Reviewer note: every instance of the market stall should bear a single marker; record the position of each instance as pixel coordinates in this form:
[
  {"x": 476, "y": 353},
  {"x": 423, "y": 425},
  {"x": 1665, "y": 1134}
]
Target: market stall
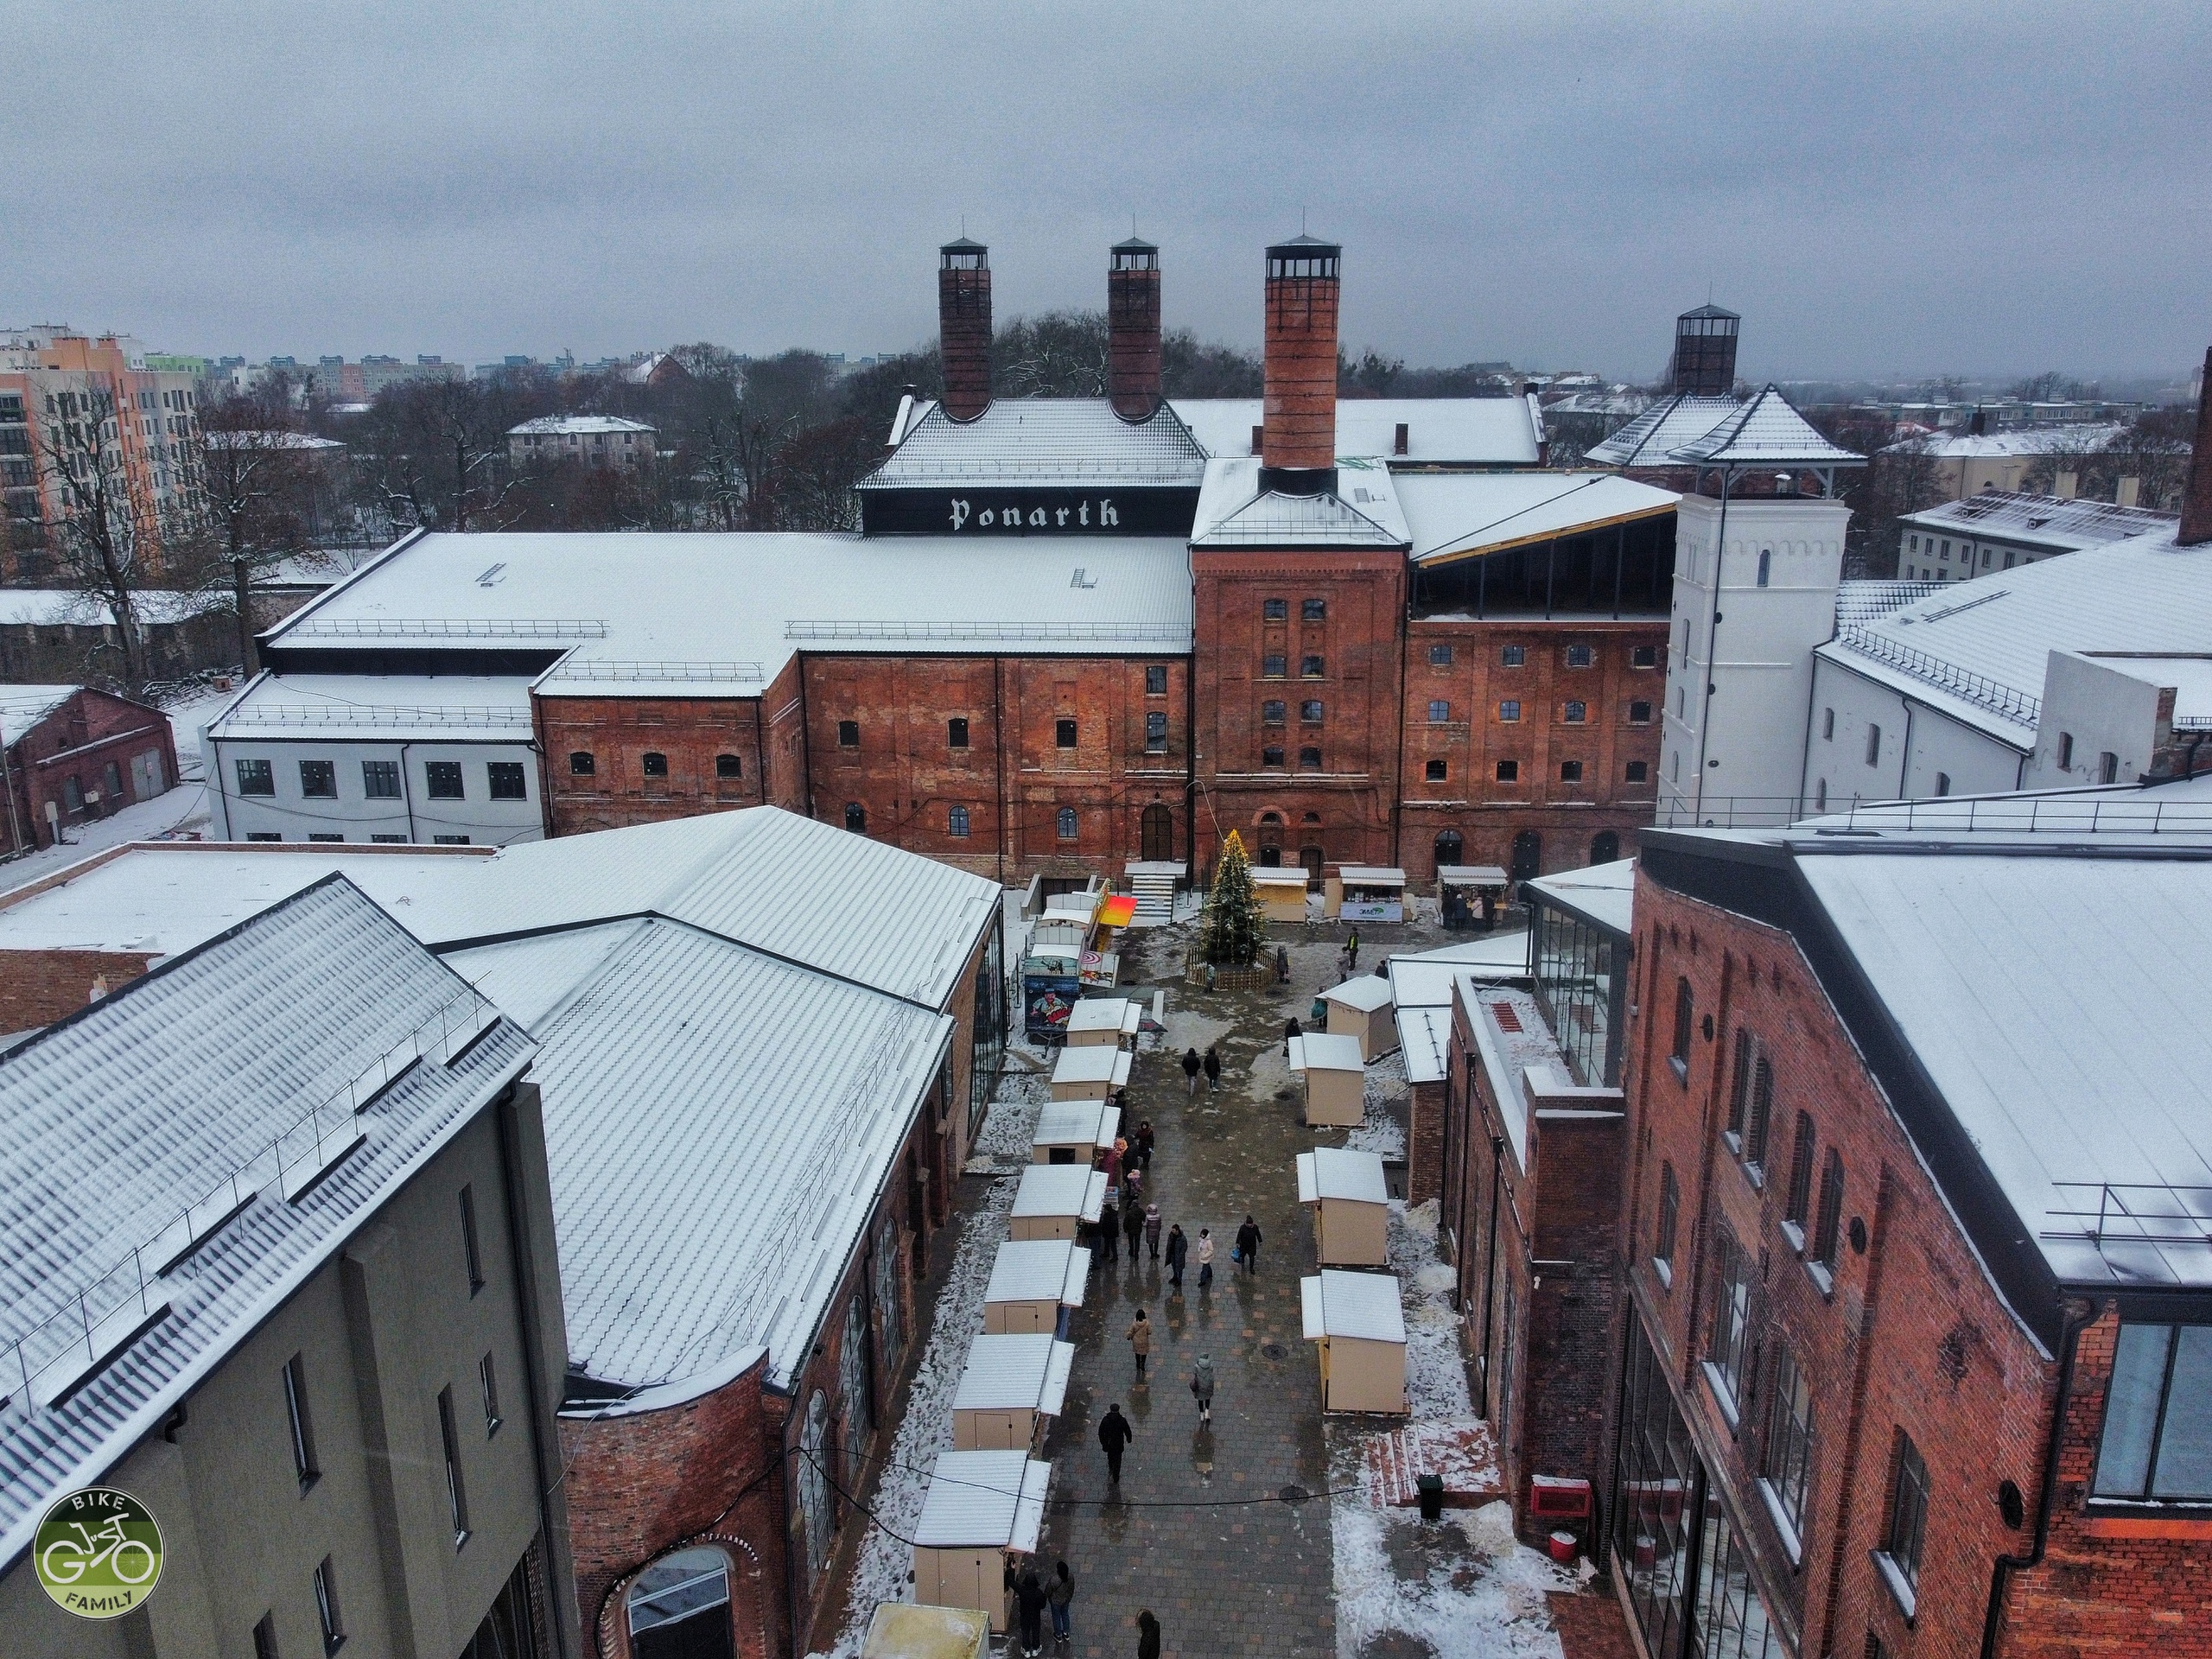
[
  {"x": 1350, "y": 1202},
  {"x": 1074, "y": 1132},
  {"x": 1052, "y": 986},
  {"x": 983, "y": 1510},
  {"x": 1054, "y": 1200},
  {"x": 1470, "y": 895},
  {"x": 1036, "y": 1285},
  {"x": 1282, "y": 892},
  {"x": 1013, "y": 1387},
  {"x": 904, "y": 1630},
  {"x": 1361, "y": 1330},
  {"x": 1334, "y": 1074},
  {"x": 1089, "y": 1072},
  {"x": 1365, "y": 893},
  {"x": 1104, "y": 1021},
  {"x": 1361, "y": 1009}
]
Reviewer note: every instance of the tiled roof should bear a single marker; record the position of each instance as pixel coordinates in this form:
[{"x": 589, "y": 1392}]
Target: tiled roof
[{"x": 1044, "y": 441}]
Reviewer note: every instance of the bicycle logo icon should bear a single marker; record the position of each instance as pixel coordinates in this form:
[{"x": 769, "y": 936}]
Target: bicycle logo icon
[{"x": 98, "y": 1552}]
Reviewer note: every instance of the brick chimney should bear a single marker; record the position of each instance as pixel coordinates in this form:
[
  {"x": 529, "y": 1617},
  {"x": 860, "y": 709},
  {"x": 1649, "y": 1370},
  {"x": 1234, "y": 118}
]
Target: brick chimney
[
  {"x": 1298, "y": 453},
  {"x": 2196, "y": 494},
  {"x": 964, "y": 327},
  {"x": 1704, "y": 364},
  {"x": 1132, "y": 329}
]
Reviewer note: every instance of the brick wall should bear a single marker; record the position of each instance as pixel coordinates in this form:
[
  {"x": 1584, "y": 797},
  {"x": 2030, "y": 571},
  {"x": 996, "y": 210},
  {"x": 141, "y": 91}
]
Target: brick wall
[
  {"x": 691, "y": 734},
  {"x": 39, "y": 987},
  {"x": 1425, "y": 1144},
  {"x": 91, "y": 741}
]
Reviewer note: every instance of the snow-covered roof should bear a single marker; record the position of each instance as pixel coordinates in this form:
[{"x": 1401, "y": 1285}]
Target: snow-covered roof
[
  {"x": 1454, "y": 516},
  {"x": 23, "y": 707},
  {"x": 1077, "y": 1123},
  {"x": 1425, "y": 1040},
  {"x": 1107, "y": 1062},
  {"x": 251, "y": 440},
  {"x": 1762, "y": 430},
  {"x": 389, "y": 708},
  {"x": 123, "y": 1129},
  {"x": 1978, "y": 648},
  {"x": 577, "y": 425},
  {"x": 1061, "y": 1190},
  {"x": 1423, "y": 978},
  {"x": 984, "y": 1500},
  {"x": 1115, "y": 1013},
  {"x": 1334, "y": 1173},
  {"x": 1039, "y": 1270},
  {"x": 1651, "y": 437},
  {"x": 1043, "y": 441},
  {"x": 2030, "y": 440},
  {"x": 1475, "y": 875},
  {"x": 647, "y": 614},
  {"x": 1510, "y": 1036},
  {"x": 1234, "y": 512},
  {"x": 1282, "y": 875},
  {"x": 1863, "y": 597},
  {"x": 1359, "y": 1307},
  {"x": 2063, "y": 523},
  {"x": 1372, "y": 875},
  {"x": 1440, "y": 431},
  {"x": 1598, "y": 892},
  {"x": 1316, "y": 1051},
  {"x": 1367, "y": 993},
  {"x": 1027, "y": 1371}
]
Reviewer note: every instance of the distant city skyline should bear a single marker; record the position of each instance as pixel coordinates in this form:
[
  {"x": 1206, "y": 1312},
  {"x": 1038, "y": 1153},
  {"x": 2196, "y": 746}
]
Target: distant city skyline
[{"x": 1890, "y": 193}]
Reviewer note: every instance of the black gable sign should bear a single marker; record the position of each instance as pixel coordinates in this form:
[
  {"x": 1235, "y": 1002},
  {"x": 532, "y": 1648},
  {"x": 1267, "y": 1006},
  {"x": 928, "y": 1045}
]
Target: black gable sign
[{"x": 1029, "y": 512}]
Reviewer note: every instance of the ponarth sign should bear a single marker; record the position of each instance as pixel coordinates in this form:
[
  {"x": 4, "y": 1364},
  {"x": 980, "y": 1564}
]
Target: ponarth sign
[{"x": 1029, "y": 512}]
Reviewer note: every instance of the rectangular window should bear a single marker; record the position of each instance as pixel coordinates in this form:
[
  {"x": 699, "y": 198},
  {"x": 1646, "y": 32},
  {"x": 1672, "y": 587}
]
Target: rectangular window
[
  {"x": 1155, "y": 680},
  {"x": 1274, "y": 610},
  {"x": 1271, "y": 757},
  {"x": 298, "y": 1422},
  {"x": 506, "y": 780},
  {"x": 1643, "y": 657},
  {"x": 1310, "y": 668},
  {"x": 1907, "y": 1533},
  {"x": 1827, "y": 1219},
  {"x": 1067, "y": 824},
  {"x": 1740, "y": 1087},
  {"x": 449, "y": 841},
  {"x": 1514, "y": 656},
  {"x": 1728, "y": 1344},
  {"x": 956, "y": 822},
  {"x": 1638, "y": 771},
  {"x": 1578, "y": 657},
  {"x": 263, "y": 834},
  {"x": 1873, "y": 745},
  {"x": 472, "y": 1252},
  {"x": 326, "y": 1607},
  {"x": 1827, "y": 725},
  {"x": 442, "y": 779},
  {"x": 1274, "y": 666},
  {"x": 380, "y": 779},
  {"x": 487, "y": 1382},
  {"x": 2156, "y": 1445},
  {"x": 389, "y": 841},
  {"x": 1310, "y": 711},
  {"x": 1639, "y": 713},
  {"x": 2065, "y": 750},
  {"x": 1313, "y": 610},
  {"x": 1309, "y": 758},
  {"x": 257, "y": 778},
  {"x": 1570, "y": 771},
  {"x": 1577, "y": 713},
  {"x": 1509, "y": 772},
  {"x": 849, "y": 734},
  {"x": 1439, "y": 712},
  {"x": 1685, "y": 1020},
  {"x": 1762, "y": 1113},
  {"x": 1440, "y": 656},
  {"x": 1155, "y": 733},
  {"x": 1272, "y": 712},
  {"x": 1063, "y": 733},
  {"x": 1670, "y": 1211},
  {"x": 2107, "y": 769},
  {"x": 1798, "y": 1198},
  {"x": 1508, "y": 710},
  {"x": 456, "y": 1488},
  {"x": 1434, "y": 771},
  {"x": 318, "y": 779},
  {"x": 955, "y": 732},
  {"x": 1785, "y": 1469},
  {"x": 324, "y": 835}
]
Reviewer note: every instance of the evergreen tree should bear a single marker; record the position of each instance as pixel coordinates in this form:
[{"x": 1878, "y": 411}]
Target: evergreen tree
[{"x": 1233, "y": 923}]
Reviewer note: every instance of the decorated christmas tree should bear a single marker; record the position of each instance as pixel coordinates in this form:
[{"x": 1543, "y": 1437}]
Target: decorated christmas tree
[{"x": 1233, "y": 921}]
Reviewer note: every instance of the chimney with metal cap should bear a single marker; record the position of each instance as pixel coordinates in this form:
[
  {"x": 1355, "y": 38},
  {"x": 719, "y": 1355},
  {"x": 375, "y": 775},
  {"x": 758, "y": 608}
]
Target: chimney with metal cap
[
  {"x": 1705, "y": 352},
  {"x": 2196, "y": 492},
  {"x": 1298, "y": 453},
  {"x": 1132, "y": 329},
  {"x": 964, "y": 327}
]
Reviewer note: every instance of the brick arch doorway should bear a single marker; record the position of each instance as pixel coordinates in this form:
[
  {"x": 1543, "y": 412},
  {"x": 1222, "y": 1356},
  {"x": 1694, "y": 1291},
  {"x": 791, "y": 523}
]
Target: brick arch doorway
[
  {"x": 1266, "y": 833},
  {"x": 1156, "y": 835},
  {"x": 681, "y": 1607},
  {"x": 1311, "y": 858}
]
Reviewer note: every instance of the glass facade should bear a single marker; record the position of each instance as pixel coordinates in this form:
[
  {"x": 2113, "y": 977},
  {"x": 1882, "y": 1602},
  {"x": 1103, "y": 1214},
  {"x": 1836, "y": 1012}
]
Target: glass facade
[
  {"x": 1581, "y": 976},
  {"x": 989, "y": 1051}
]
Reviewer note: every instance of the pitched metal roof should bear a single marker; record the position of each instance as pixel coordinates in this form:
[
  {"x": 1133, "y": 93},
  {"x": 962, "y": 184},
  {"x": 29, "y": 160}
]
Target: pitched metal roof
[
  {"x": 1338, "y": 1173},
  {"x": 1362, "y": 1306},
  {"x": 1044, "y": 441},
  {"x": 1234, "y": 510},
  {"x": 2067, "y": 523},
  {"x": 1016, "y": 1372},
  {"x": 1767, "y": 430},
  {"x": 1651, "y": 438},
  {"x": 1455, "y": 516},
  {"x": 316, "y": 1043},
  {"x": 984, "y": 1500}
]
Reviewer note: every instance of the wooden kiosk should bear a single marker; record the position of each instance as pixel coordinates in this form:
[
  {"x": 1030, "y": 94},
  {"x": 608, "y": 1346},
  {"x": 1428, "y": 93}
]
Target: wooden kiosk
[
  {"x": 981, "y": 1507},
  {"x": 1367, "y": 892},
  {"x": 1012, "y": 1386},
  {"x": 1334, "y": 1072},
  {"x": 1280, "y": 891},
  {"x": 1036, "y": 1284},
  {"x": 1074, "y": 1131},
  {"x": 1089, "y": 1072},
  {"x": 1103, "y": 1022},
  {"x": 1356, "y": 1318},
  {"x": 1470, "y": 895},
  {"x": 1361, "y": 1007},
  {"x": 903, "y": 1629},
  {"x": 1055, "y": 1199},
  {"x": 1351, "y": 1204}
]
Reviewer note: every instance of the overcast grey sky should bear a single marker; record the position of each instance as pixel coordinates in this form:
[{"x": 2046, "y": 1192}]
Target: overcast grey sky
[{"x": 1879, "y": 188}]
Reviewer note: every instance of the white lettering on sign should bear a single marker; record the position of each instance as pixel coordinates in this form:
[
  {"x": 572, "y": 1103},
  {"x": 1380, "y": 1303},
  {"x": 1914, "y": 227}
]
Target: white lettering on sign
[
  {"x": 1106, "y": 514},
  {"x": 962, "y": 512},
  {"x": 959, "y": 513}
]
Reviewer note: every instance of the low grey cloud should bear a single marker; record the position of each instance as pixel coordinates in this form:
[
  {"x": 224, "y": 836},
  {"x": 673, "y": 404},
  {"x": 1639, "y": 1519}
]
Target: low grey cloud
[{"x": 1880, "y": 188}]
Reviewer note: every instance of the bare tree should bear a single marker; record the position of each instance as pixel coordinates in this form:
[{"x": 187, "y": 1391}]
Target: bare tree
[
  {"x": 103, "y": 533},
  {"x": 257, "y": 473},
  {"x": 1058, "y": 354}
]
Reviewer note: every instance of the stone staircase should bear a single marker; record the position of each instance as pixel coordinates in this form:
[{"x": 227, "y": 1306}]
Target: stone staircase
[
  {"x": 1465, "y": 1455},
  {"x": 1154, "y": 888}
]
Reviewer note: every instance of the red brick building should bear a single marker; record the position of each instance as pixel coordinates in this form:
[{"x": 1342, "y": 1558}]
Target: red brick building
[
  {"x": 74, "y": 753},
  {"x": 1919, "y": 1347}
]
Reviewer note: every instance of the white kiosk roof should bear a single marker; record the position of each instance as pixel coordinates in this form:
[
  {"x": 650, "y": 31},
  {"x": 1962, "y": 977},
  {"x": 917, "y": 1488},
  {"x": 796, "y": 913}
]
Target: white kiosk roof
[
  {"x": 1077, "y": 1122},
  {"x": 1368, "y": 875},
  {"x": 983, "y": 1500},
  {"x": 1019, "y": 1373},
  {"x": 1368, "y": 993},
  {"x": 1038, "y": 1269},
  {"x": 1104, "y": 1014},
  {"x": 1061, "y": 1190},
  {"x": 1360, "y": 1306},
  {"x": 1280, "y": 875},
  {"x": 1097, "y": 1063},
  {"x": 1318, "y": 1051},
  {"x": 1334, "y": 1173},
  {"x": 1472, "y": 876}
]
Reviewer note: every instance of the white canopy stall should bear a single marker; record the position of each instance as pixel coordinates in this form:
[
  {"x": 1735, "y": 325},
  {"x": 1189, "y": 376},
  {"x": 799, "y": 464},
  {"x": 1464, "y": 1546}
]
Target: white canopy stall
[
  {"x": 1334, "y": 1073},
  {"x": 1357, "y": 1320},
  {"x": 981, "y": 1507},
  {"x": 1361, "y": 1007},
  {"x": 1350, "y": 1202},
  {"x": 1089, "y": 1072},
  {"x": 1012, "y": 1385},
  {"x": 1074, "y": 1131},
  {"x": 1103, "y": 1022},
  {"x": 1036, "y": 1284},
  {"x": 1054, "y": 1200}
]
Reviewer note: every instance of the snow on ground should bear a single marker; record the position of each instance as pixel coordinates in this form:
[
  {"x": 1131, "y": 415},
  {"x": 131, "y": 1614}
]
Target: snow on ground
[
  {"x": 926, "y": 1429},
  {"x": 1386, "y": 1098},
  {"x": 1010, "y": 1127},
  {"x": 1465, "y": 1587},
  {"x": 186, "y": 717},
  {"x": 182, "y": 811}
]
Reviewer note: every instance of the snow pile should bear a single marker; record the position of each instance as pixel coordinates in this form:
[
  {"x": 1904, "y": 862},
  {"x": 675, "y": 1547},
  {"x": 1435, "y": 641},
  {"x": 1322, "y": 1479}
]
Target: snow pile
[
  {"x": 1436, "y": 1375},
  {"x": 879, "y": 1570},
  {"x": 1010, "y": 1126}
]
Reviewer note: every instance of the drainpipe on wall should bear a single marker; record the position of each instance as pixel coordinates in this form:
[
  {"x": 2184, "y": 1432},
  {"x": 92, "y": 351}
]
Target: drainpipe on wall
[
  {"x": 1712, "y": 649},
  {"x": 2078, "y": 1317}
]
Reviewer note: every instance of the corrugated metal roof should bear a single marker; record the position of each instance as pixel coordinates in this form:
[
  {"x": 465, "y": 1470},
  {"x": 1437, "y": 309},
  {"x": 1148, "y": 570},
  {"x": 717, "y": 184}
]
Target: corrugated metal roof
[
  {"x": 1016, "y": 1373},
  {"x": 983, "y": 1500},
  {"x": 141, "y": 1122},
  {"x": 2067, "y": 522},
  {"x": 1361, "y": 1305},
  {"x": 1044, "y": 441},
  {"x": 1038, "y": 1269},
  {"x": 1468, "y": 431},
  {"x": 1061, "y": 1190},
  {"x": 1766, "y": 431},
  {"x": 1651, "y": 437},
  {"x": 1334, "y": 1173}
]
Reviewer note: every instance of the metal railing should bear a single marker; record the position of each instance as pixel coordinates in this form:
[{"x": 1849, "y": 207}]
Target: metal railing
[
  {"x": 2127, "y": 1218},
  {"x": 64, "y": 1346},
  {"x": 1150, "y": 633},
  {"x": 353, "y": 715},
  {"x": 2013, "y": 705},
  {"x": 2139, "y": 812},
  {"x": 608, "y": 669},
  {"x": 400, "y": 627}
]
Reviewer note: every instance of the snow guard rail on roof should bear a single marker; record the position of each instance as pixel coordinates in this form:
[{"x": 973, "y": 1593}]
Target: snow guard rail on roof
[{"x": 1974, "y": 688}]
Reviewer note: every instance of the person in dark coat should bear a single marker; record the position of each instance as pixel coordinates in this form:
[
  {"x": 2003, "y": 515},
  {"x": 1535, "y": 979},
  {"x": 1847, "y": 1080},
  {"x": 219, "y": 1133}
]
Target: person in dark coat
[
  {"x": 1247, "y": 1245},
  {"x": 1179, "y": 1251},
  {"x": 1060, "y": 1592},
  {"x": 1190, "y": 1070},
  {"x": 1151, "y": 1232},
  {"x": 1213, "y": 1070},
  {"x": 1132, "y": 1226},
  {"x": 1030, "y": 1600},
  {"x": 1132, "y": 1190},
  {"x": 1109, "y": 1234},
  {"x": 1147, "y": 1635},
  {"x": 1289, "y": 1030},
  {"x": 1145, "y": 1138},
  {"x": 1283, "y": 964},
  {"x": 1114, "y": 1435}
]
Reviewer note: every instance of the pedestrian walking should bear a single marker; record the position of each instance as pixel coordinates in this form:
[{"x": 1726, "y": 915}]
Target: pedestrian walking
[
  {"x": 1208, "y": 976},
  {"x": 1202, "y": 1387},
  {"x": 1114, "y": 1435},
  {"x": 1059, "y": 1593},
  {"x": 1190, "y": 1070},
  {"x": 1289, "y": 1030},
  {"x": 1213, "y": 1070},
  {"x": 1152, "y": 1231},
  {"x": 1179, "y": 1251},
  {"x": 1140, "y": 1339},
  {"x": 1029, "y": 1599},
  {"x": 1352, "y": 947},
  {"x": 1147, "y": 1635},
  {"x": 1205, "y": 1257},
  {"x": 1109, "y": 1233},
  {"x": 1247, "y": 1245},
  {"x": 1283, "y": 964},
  {"x": 1132, "y": 1187},
  {"x": 1132, "y": 1224},
  {"x": 1145, "y": 1140}
]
